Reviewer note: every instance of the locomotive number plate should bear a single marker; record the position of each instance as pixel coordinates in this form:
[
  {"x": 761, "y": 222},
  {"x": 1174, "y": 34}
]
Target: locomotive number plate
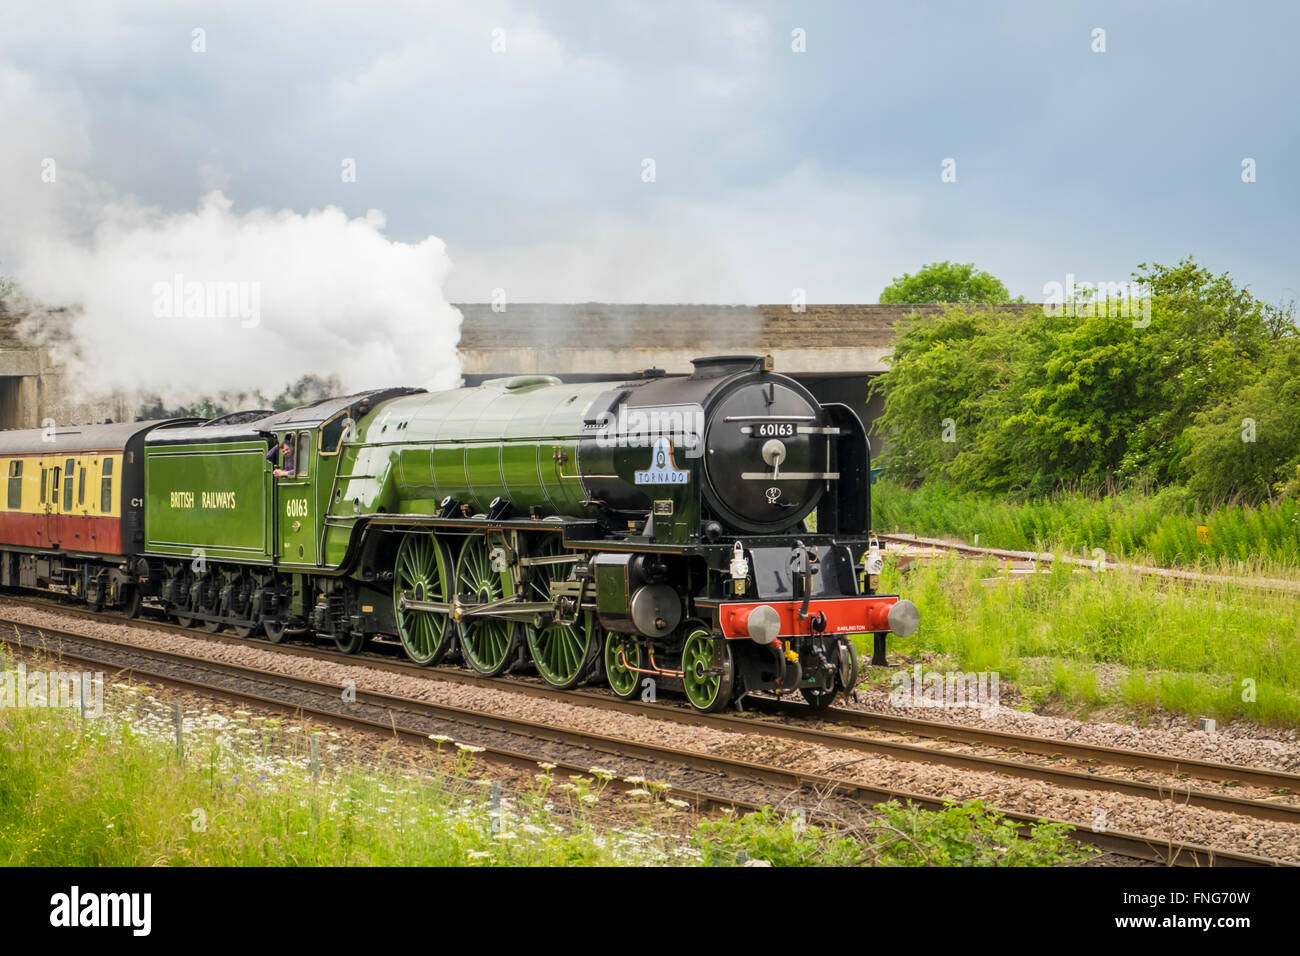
[{"x": 771, "y": 429}]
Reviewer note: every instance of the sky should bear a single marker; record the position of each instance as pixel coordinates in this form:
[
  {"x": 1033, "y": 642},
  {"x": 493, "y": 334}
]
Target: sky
[{"x": 795, "y": 146}]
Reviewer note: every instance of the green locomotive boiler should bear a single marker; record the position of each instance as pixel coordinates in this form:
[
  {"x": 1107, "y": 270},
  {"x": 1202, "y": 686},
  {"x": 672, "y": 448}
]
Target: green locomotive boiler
[{"x": 707, "y": 533}]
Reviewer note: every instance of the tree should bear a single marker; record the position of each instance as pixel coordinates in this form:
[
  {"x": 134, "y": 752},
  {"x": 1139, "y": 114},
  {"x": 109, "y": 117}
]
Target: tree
[
  {"x": 946, "y": 282},
  {"x": 954, "y": 384},
  {"x": 310, "y": 388},
  {"x": 1249, "y": 445},
  {"x": 1026, "y": 401}
]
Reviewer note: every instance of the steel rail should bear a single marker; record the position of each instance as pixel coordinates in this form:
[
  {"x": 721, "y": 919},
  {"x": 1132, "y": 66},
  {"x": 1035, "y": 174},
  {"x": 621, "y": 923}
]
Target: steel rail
[
  {"x": 1279, "y": 782},
  {"x": 1047, "y": 557},
  {"x": 1128, "y": 844}
]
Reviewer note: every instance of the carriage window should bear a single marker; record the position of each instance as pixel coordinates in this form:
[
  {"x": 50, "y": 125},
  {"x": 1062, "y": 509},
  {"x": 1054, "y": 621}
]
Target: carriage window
[
  {"x": 54, "y": 486},
  {"x": 45, "y": 479},
  {"x": 15, "y": 484},
  {"x": 69, "y": 469},
  {"x": 106, "y": 487},
  {"x": 81, "y": 488}
]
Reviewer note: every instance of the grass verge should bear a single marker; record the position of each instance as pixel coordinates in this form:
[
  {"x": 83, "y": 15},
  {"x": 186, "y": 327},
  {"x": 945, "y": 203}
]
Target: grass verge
[
  {"x": 1088, "y": 640},
  {"x": 113, "y": 791},
  {"x": 1160, "y": 528}
]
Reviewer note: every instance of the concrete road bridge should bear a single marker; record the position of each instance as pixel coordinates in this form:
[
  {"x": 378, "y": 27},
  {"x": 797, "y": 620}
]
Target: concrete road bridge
[{"x": 833, "y": 349}]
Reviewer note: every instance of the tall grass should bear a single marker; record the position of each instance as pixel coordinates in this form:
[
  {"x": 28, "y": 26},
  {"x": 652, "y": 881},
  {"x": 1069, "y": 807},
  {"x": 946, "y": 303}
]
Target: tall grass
[
  {"x": 113, "y": 791},
  {"x": 1159, "y": 528},
  {"x": 110, "y": 792},
  {"x": 1214, "y": 650}
]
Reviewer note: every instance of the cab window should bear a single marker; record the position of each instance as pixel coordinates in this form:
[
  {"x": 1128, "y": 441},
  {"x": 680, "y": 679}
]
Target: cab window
[
  {"x": 334, "y": 432},
  {"x": 281, "y": 461},
  {"x": 15, "y": 484},
  {"x": 106, "y": 487},
  {"x": 304, "y": 454}
]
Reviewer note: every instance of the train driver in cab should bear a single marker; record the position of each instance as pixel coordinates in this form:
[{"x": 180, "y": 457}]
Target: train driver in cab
[{"x": 288, "y": 463}]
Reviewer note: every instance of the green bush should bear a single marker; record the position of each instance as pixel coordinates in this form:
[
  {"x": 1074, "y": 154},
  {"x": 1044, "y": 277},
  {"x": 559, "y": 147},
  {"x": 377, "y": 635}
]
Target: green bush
[
  {"x": 1029, "y": 401},
  {"x": 960, "y": 835}
]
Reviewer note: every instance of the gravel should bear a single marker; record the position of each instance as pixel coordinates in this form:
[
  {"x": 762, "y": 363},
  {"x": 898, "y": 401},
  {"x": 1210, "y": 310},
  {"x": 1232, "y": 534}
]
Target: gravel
[
  {"x": 1240, "y": 742},
  {"x": 1162, "y": 820}
]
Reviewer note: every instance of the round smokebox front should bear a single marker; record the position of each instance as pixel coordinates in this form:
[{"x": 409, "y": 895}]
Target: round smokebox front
[{"x": 759, "y": 458}]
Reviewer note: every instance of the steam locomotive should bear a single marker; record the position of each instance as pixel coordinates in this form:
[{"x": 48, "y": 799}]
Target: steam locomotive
[{"x": 707, "y": 534}]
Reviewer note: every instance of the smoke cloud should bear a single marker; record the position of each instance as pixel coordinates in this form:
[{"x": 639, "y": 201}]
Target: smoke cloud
[{"x": 185, "y": 305}]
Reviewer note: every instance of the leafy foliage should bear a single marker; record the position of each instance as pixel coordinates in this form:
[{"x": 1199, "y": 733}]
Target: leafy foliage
[
  {"x": 1029, "y": 401},
  {"x": 1250, "y": 442},
  {"x": 946, "y": 282},
  {"x": 959, "y": 835}
]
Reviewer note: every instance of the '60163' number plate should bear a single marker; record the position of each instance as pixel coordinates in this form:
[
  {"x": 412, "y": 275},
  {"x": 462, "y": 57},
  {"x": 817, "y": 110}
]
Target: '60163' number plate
[{"x": 771, "y": 429}]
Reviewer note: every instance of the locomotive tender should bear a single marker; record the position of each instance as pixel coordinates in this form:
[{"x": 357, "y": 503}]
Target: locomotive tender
[{"x": 708, "y": 532}]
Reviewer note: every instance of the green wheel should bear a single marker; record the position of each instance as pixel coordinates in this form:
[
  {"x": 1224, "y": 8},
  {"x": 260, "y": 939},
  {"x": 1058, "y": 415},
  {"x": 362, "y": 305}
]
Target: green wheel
[
  {"x": 563, "y": 653},
  {"x": 708, "y": 685},
  {"x": 620, "y": 652},
  {"x": 488, "y": 643},
  {"x": 420, "y": 573}
]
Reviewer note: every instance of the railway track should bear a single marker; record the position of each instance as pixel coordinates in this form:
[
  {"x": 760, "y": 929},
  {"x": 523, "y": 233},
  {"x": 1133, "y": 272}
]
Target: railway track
[
  {"x": 1046, "y": 557},
  {"x": 1092, "y": 756},
  {"x": 397, "y": 715}
]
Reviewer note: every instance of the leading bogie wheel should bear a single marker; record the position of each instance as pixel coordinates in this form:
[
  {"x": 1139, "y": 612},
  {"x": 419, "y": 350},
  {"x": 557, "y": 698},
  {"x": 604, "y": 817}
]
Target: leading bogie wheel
[
  {"x": 818, "y": 700},
  {"x": 422, "y": 572},
  {"x": 847, "y": 678},
  {"x": 622, "y": 657},
  {"x": 708, "y": 673},
  {"x": 488, "y": 643},
  {"x": 350, "y": 643}
]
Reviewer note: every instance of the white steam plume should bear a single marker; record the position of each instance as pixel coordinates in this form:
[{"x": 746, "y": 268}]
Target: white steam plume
[{"x": 265, "y": 296}]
